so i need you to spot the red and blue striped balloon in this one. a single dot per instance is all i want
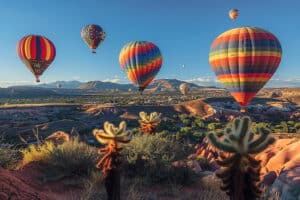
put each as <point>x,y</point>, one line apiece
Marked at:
<point>244,59</point>
<point>37,53</point>
<point>141,61</point>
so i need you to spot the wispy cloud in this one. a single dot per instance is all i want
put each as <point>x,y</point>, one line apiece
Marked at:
<point>278,82</point>
<point>113,80</point>
<point>204,81</point>
<point>274,82</point>
<point>14,83</point>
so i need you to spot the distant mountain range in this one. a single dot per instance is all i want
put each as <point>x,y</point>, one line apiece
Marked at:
<point>78,88</point>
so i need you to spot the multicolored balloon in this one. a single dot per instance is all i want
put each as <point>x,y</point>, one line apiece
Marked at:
<point>141,61</point>
<point>37,53</point>
<point>244,59</point>
<point>233,14</point>
<point>93,35</point>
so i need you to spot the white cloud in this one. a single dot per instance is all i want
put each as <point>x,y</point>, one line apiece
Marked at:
<point>204,81</point>
<point>15,83</point>
<point>75,78</point>
<point>274,82</point>
<point>113,80</point>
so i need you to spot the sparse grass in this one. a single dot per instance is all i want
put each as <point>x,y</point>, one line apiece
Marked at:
<point>133,189</point>
<point>9,156</point>
<point>93,187</point>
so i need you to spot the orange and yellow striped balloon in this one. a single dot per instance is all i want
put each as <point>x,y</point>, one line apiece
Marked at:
<point>37,53</point>
<point>244,59</point>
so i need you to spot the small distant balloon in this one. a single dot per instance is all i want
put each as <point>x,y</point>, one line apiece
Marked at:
<point>184,88</point>
<point>37,53</point>
<point>233,14</point>
<point>93,35</point>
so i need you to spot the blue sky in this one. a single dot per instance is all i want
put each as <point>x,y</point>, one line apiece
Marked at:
<point>182,29</point>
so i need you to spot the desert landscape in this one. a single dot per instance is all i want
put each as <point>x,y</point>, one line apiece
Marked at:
<point>185,121</point>
<point>149,100</point>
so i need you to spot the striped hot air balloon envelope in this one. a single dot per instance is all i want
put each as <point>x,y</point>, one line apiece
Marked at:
<point>37,53</point>
<point>233,14</point>
<point>93,35</point>
<point>244,59</point>
<point>141,61</point>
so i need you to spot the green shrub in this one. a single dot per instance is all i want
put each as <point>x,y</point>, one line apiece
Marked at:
<point>297,127</point>
<point>198,136</point>
<point>291,123</point>
<point>200,123</point>
<point>9,157</point>
<point>186,122</point>
<point>214,126</point>
<point>150,157</point>
<point>73,158</point>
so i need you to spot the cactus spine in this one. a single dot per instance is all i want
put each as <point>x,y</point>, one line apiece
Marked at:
<point>149,123</point>
<point>110,162</point>
<point>240,171</point>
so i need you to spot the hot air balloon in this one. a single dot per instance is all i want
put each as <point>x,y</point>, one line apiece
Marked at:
<point>184,88</point>
<point>233,14</point>
<point>93,35</point>
<point>141,61</point>
<point>37,53</point>
<point>58,85</point>
<point>244,59</point>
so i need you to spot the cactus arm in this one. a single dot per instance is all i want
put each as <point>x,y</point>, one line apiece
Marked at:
<point>223,146</point>
<point>235,127</point>
<point>262,146</point>
<point>251,136</point>
<point>228,131</point>
<point>244,127</point>
<point>263,134</point>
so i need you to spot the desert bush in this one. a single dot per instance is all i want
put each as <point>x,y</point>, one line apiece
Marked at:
<point>200,123</point>
<point>297,127</point>
<point>72,158</point>
<point>151,157</point>
<point>37,153</point>
<point>168,125</point>
<point>186,122</point>
<point>9,156</point>
<point>198,136</point>
<point>214,126</point>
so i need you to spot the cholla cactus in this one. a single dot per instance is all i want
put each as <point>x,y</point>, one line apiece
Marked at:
<point>110,162</point>
<point>240,171</point>
<point>148,123</point>
<point>113,135</point>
